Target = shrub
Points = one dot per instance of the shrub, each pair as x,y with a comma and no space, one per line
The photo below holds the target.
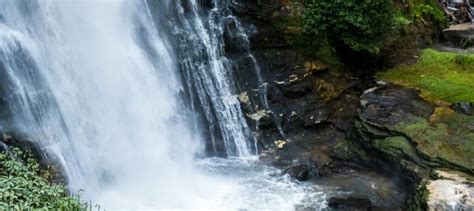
362,25
22,187
426,10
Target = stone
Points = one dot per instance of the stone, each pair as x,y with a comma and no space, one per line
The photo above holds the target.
258,115
296,90
244,98
401,126
299,172
389,105
350,203
450,192
280,144
463,108
460,33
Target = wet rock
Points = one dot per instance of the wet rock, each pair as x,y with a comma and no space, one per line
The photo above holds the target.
460,33
234,42
403,133
299,172
399,126
315,117
259,114
450,192
280,144
244,98
393,104
3,147
464,108
351,203
293,88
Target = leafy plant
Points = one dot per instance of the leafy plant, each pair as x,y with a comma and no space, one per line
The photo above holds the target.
426,10
362,25
22,187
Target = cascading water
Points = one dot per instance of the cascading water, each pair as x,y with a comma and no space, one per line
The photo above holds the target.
96,84
209,74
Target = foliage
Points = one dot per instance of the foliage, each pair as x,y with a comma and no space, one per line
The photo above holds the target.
22,187
426,10
400,20
361,25
441,76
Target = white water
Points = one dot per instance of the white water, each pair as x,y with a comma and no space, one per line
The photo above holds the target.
83,83
209,74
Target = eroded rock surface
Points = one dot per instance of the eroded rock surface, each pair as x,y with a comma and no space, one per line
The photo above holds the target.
450,191
460,33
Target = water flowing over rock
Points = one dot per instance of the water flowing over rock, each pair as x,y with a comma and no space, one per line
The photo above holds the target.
127,95
450,192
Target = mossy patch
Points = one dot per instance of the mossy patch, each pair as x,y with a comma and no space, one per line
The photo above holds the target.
448,140
396,146
346,150
441,76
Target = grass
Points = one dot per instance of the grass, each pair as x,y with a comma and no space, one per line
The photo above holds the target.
442,77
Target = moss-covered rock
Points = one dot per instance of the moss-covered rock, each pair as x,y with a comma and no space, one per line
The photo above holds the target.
448,141
400,129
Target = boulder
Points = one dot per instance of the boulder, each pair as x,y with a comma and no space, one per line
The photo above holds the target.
407,130
299,172
404,133
460,33
350,203
463,108
450,192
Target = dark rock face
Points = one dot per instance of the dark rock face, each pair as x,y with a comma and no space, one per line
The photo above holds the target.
464,108
299,172
312,107
326,120
351,203
404,134
461,34
408,131
391,105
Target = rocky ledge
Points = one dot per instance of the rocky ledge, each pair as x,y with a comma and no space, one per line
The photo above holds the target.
430,146
460,34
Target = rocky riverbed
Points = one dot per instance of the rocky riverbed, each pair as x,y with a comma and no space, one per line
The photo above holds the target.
328,124
335,135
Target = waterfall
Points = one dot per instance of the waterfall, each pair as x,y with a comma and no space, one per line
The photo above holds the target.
103,86
96,84
208,74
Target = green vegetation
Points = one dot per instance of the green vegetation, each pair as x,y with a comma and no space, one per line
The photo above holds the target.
361,25
441,76
22,187
446,138
426,10
396,146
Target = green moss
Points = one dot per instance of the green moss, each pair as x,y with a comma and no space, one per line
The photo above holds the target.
396,146
441,76
346,150
450,139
